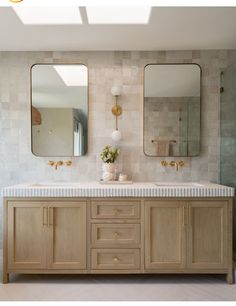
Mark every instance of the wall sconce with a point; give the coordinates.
(116, 111)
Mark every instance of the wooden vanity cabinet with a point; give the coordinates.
(207, 234)
(26, 235)
(118, 235)
(192, 236)
(165, 235)
(46, 235)
(67, 235)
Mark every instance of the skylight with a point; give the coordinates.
(48, 15)
(118, 14)
(72, 75)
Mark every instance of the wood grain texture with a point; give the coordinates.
(115, 259)
(67, 235)
(165, 235)
(115, 235)
(230, 275)
(120, 235)
(115, 209)
(5, 274)
(26, 235)
(207, 234)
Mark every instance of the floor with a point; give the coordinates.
(117, 288)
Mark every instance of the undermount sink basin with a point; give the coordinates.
(178, 184)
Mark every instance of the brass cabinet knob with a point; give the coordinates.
(116, 259)
(116, 235)
(116, 211)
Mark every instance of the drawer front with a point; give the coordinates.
(108, 235)
(115, 209)
(115, 259)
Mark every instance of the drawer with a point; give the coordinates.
(115, 209)
(115, 259)
(108, 235)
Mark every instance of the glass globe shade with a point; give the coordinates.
(115, 90)
(116, 136)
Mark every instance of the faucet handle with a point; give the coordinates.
(51, 163)
(181, 163)
(164, 163)
(68, 163)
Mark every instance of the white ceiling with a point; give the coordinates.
(171, 28)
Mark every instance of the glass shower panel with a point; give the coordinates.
(228, 127)
(228, 135)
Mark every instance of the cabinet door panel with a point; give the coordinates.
(26, 235)
(207, 235)
(67, 238)
(165, 244)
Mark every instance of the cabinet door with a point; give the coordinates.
(67, 235)
(27, 225)
(165, 243)
(207, 234)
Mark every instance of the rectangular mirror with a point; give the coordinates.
(172, 110)
(59, 110)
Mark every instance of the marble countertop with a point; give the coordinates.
(140, 189)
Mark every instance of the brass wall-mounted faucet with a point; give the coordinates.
(173, 163)
(59, 163)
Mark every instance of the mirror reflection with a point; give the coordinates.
(59, 113)
(172, 110)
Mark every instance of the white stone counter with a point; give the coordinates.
(95, 189)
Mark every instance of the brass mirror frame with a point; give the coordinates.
(200, 123)
(31, 125)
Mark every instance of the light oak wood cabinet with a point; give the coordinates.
(165, 235)
(207, 234)
(67, 235)
(188, 235)
(118, 235)
(26, 235)
(115, 259)
(46, 235)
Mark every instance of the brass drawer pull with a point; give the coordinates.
(50, 216)
(45, 216)
(185, 222)
(116, 259)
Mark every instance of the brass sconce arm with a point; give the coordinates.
(116, 109)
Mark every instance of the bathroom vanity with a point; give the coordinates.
(137, 228)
